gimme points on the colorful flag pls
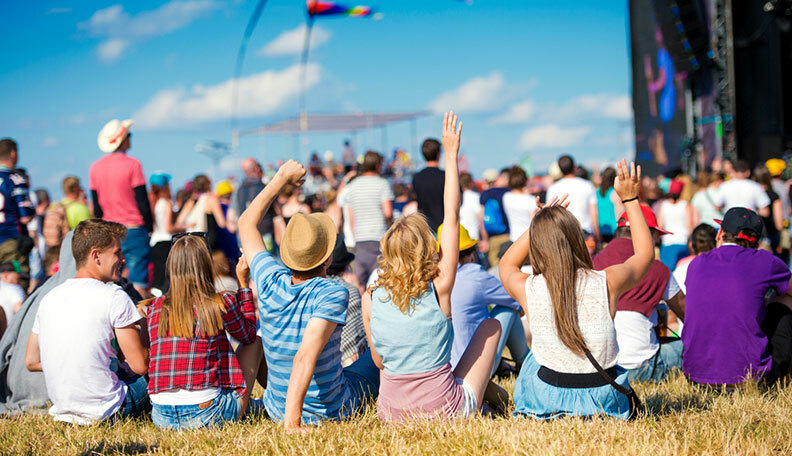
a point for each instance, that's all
(324, 8)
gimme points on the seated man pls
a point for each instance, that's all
(641, 352)
(300, 313)
(730, 333)
(73, 334)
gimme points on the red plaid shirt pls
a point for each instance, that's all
(201, 362)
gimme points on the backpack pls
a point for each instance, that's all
(493, 218)
(54, 226)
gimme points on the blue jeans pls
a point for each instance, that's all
(667, 358)
(671, 254)
(363, 377)
(512, 335)
(137, 253)
(225, 407)
(136, 400)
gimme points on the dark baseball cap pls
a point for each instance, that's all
(740, 218)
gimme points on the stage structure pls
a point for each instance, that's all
(334, 123)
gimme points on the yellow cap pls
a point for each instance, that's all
(465, 241)
(776, 166)
(224, 188)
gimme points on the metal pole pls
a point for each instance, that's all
(384, 140)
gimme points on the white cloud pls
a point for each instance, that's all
(594, 105)
(116, 26)
(50, 141)
(552, 136)
(259, 95)
(520, 113)
(480, 94)
(59, 10)
(291, 42)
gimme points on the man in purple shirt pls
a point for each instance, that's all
(730, 333)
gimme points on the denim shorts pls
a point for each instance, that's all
(224, 407)
(137, 253)
(136, 400)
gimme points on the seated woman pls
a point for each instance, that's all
(407, 315)
(571, 308)
(195, 378)
(474, 291)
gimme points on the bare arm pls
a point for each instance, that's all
(622, 277)
(677, 305)
(449, 238)
(483, 235)
(778, 214)
(231, 220)
(32, 353)
(594, 214)
(217, 211)
(365, 304)
(387, 209)
(181, 220)
(764, 212)
(249, 236)
(317, 333)
(132, 347)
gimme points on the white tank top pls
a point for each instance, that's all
(161, 214)
(674, 220)
(196, 220)
(594, 320)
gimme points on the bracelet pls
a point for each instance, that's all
(631, 199)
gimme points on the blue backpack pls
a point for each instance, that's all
(493, 218)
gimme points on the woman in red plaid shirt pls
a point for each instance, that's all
(195, 377)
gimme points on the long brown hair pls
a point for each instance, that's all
(192, 292)
(558, 252)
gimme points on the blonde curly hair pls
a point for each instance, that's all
(408, 262)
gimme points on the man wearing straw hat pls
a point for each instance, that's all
(301, 314)
(118, 189)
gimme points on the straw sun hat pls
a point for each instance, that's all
(308, 242)
(113, 134)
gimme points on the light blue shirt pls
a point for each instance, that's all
(284, 312)
(474, 290)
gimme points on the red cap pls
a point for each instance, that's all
(651, 220)
(676, 187)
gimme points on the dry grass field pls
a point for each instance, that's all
(684, 420)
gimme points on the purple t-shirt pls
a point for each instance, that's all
(724, 311)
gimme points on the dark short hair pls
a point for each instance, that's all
(201, 183)
(50, 257)
(6, 146)
(702, 239)
(517, 177)
(468, 252)
(566, 164)
(431, 149)
(371, 162)
(741, 166)
(466, 181)
(309, 274)
(94, 234)
(42, 195)
(622, 232)
(733, 239)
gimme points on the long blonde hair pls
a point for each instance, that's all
(558, 252)
(192, 292)
(408, 262)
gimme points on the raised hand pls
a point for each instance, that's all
(243, 272)
(628, 180)
(556, 202)
(292, 172)
(451, 134)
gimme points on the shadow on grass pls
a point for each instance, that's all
(129, 448)
(665, 403)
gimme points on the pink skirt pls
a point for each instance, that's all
(433, 394)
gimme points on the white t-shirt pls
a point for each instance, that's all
(469, 212)
(582, 196)
(10, 295)
(520, 209)
(635, 333)
(741, 193)
(674, 221)
(161, 215)
(75, 324)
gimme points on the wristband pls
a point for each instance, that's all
(630, 199)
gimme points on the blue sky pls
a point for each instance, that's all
(528, 78)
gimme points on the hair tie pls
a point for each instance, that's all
(630, 199)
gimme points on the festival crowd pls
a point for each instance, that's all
(339, 284)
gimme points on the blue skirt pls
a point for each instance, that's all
(537, 399)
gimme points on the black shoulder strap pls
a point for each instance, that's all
(604, 374)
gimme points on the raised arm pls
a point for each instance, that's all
(622, 277)
(449, 238)
(249, 236)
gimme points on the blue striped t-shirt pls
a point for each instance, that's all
(284, 312)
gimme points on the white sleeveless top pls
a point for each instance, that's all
(196, 220)
(594, 319)
(675, 221)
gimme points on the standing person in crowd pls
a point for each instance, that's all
(704, 199)
(641, 352)
(300, 312)
(73, 202)
(161, 237)
(475, 290)
(571, 309)
(290, 204)
(608, 204)
(773, 222)
(581, 196)
(353, 336)
(519, 205)
(407, 314)
(203, 213)
(251, 186)
(679, 218)
(16, 208)
(470, 210)
(195, 380)
(776, 167)
(118, 190)
(94, 311)
(728, 344)
(702, 240)
(428, 184)
(370, 201)
(226, 237)
(494, 224)
(740, 191)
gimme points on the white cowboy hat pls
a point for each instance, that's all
(113, 134)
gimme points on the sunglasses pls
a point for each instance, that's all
(202, 234)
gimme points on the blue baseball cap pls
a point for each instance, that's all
(159, 179)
